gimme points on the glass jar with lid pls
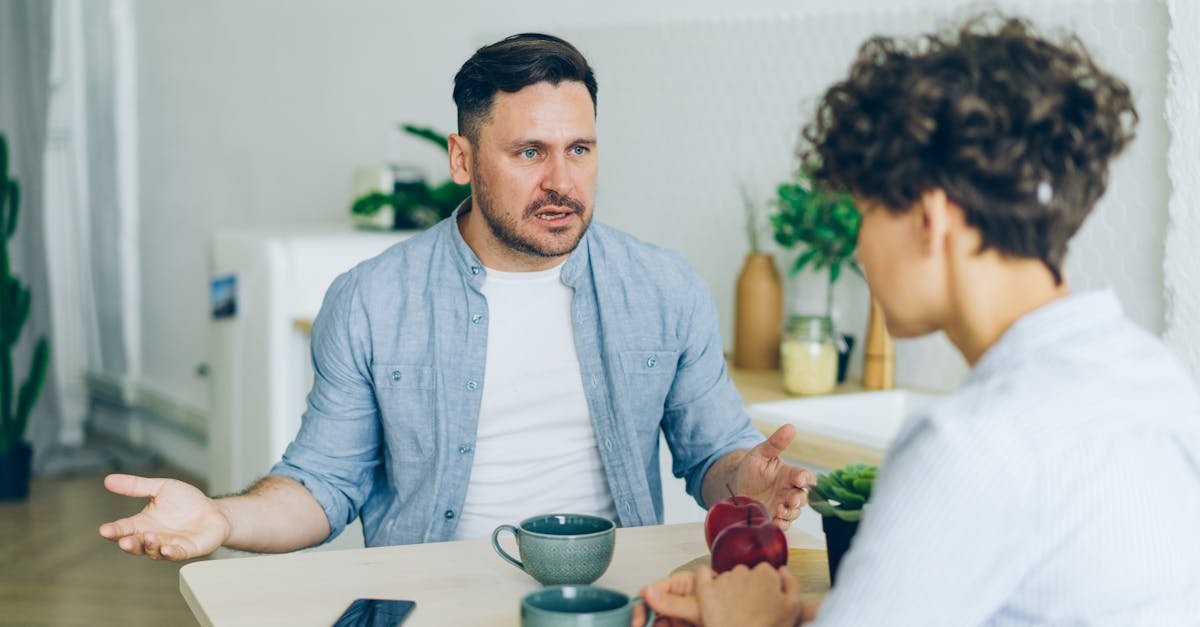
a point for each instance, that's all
(808, 355)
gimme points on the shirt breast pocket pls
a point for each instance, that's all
(406, 397)
(648, 378)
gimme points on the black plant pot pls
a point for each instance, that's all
(14, 472)
(844, 356)
(838, 534)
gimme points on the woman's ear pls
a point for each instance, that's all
(931, 218)
(459, 148)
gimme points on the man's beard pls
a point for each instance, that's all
(507, 229)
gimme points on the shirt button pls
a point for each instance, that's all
(474, 269)
(477, 318)
(651, 361)
(471, 385)
(608, 444)
(396, 376)
(449, 514)
(464, 449)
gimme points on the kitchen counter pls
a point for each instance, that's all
(762, 386)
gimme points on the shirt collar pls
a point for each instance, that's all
(1049, 324)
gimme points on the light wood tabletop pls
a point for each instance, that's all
(452, 583)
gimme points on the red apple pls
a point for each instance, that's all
(749, 543)
(729, 511)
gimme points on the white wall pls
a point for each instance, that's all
(254, 113)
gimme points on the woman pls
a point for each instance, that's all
(1061, 483)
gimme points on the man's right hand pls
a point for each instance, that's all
(179, 523)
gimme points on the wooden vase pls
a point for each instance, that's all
(879, 356)
(758, 314)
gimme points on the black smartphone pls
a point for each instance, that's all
(375, 613)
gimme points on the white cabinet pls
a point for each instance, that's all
(261, 368)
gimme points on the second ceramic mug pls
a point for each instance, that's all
(579, 606)
(561, 548)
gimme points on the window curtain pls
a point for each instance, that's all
(25, 48)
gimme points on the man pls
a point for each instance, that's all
(1061, 484)
(510, 361)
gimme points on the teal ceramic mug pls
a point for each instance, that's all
(561, 548)
(579, 606)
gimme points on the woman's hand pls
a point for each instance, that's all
(762, 596)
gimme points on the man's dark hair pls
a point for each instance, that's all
(510, 65)
(1016, 129)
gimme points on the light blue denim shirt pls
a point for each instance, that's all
(398, 354)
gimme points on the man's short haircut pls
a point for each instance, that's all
(510, 65)
(1018, 130)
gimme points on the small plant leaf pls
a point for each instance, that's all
(370, 203)
(429, 135)
(3, 158)
(29, 391)
(10, 214)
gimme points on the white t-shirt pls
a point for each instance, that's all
(535, 448)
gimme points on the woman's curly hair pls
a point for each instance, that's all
(1016, 129)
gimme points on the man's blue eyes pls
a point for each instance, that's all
(531, 153)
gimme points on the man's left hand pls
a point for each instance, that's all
(762, 475)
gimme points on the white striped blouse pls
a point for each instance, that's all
(1059, 486)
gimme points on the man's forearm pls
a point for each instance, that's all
(722, 473)
(276, 515)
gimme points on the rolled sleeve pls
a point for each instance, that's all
(336, 452)
(705, 417)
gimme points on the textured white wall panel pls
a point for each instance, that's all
(1182, 264)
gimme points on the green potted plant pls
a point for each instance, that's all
(415, 204)
(824, 227)
(840, 497)
(16, 403)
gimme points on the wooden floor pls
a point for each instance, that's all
(55, 569)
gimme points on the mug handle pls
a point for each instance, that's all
(649, 611)
(496, 545)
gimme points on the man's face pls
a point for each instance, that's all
(533, 169)
(902, 273)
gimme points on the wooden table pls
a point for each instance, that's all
(453, 583)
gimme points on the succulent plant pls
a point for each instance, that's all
(843, 493)
(15, 403)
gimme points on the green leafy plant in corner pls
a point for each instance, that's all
(823, 225)
(843, 493)
(15, 301)
(418, 206)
